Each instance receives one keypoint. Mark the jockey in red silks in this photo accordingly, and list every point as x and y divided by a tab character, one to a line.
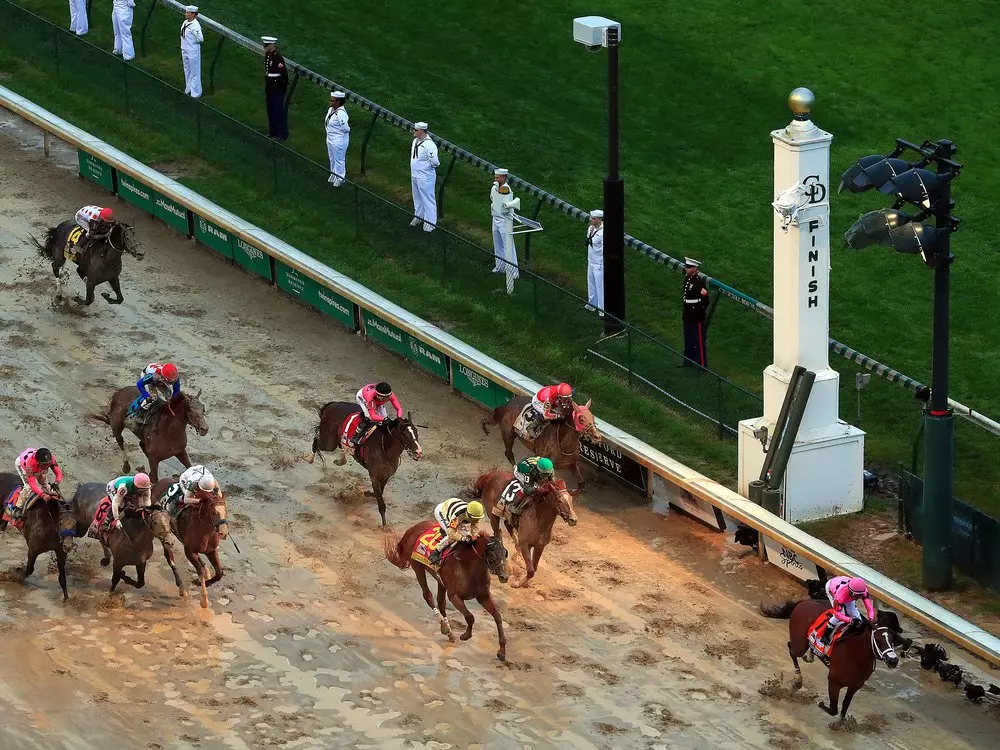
33	468
552	402
373	399
95	220
844	593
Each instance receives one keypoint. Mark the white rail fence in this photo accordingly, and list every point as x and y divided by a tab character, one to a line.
479	377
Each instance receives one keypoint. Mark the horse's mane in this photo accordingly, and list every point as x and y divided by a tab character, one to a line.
551	486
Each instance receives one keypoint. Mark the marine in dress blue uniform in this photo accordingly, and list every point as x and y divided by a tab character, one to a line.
695	309
275	88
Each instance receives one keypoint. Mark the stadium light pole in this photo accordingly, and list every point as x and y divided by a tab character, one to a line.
595	32
931	192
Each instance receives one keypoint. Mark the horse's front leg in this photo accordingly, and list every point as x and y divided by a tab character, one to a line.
487	603
183	457
578	473
378	485
90	294
529	569
797	682
213	557
442	609
199	566
469	619
834	690
168	552
117	289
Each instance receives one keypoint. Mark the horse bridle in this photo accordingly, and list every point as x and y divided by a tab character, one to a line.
880	653
413	435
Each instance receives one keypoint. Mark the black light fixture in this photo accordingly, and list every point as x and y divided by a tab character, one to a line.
873	228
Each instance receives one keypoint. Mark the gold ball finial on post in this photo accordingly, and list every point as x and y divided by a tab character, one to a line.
801	101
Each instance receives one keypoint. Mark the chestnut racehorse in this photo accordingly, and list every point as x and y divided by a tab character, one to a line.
558	441
380	453
852	660
534	529
464	574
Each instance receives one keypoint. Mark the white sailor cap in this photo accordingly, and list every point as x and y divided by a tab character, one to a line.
338	95
597	214
500	171
691	262
420	125
190	8
269	39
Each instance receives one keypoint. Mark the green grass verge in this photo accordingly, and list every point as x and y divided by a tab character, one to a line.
701	90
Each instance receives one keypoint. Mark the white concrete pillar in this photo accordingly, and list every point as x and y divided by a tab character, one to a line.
824	475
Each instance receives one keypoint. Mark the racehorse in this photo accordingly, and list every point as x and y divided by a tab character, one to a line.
200	528
134	546
98	259
534	526
464	574
852	659
48	527
379	454
163	434
559	440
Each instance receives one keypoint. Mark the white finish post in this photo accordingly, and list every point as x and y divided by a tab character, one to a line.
825	472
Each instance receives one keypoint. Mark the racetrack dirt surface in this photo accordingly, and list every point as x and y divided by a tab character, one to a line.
638	632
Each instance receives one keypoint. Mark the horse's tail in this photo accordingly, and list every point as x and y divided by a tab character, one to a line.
43	250
394	551
104	416
493	418
479	485
779	611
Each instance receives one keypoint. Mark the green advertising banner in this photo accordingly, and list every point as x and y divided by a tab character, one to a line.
478	387
214	236
427	356
252	258
132	191
172	213
385	333
97	170
314	294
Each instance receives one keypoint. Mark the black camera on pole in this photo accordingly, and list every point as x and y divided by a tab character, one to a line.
911	183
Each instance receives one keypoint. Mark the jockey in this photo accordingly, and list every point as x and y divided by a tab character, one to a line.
553	402
844	593
33	467
198	484
124	493
373	399
160	377
459	521
529	473
95	220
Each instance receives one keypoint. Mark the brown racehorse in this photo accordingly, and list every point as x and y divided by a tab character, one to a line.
464	574
852	660
534	529
48	527
380	453
558	441
164	433
200	529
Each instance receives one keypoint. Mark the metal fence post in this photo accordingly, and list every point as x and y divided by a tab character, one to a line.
447	174
211	69
364	143
291	90
628	338
145	25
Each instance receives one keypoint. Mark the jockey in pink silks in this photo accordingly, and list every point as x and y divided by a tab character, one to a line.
844	593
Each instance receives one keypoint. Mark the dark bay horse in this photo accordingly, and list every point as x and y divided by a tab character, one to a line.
464	574
98	260
200	528
164	433
852	660
48	527
381	452
134	546
558	441
534	529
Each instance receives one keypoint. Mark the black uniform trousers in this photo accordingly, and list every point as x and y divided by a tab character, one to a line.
694	342
277	117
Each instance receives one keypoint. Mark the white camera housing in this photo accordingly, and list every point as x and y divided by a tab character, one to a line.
592	31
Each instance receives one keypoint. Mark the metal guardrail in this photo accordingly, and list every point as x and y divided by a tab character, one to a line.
545	197
932	615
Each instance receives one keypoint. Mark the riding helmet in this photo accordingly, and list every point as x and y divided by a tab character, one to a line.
564	390
545	466
43	456
169	372
476	510
383	389
142	481
106	214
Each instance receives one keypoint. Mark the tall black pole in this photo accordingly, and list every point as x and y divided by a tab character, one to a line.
939	447
614	204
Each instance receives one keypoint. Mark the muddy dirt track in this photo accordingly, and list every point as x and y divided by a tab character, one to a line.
312	638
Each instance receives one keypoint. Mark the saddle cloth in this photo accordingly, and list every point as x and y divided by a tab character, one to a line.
514	504
10	510
101	525
525	426
824	651
427	543
349	428
72	244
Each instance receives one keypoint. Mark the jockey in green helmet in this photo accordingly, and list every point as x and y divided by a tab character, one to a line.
528	475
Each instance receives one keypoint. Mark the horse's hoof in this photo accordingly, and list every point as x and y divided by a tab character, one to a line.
451	636
204	602
502	655
105	561
822	704
445	628
465	636
797	685
182	593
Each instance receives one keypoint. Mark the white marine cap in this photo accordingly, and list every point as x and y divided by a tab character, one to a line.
338	95
420	125
269	39
597	214
691	262
500	171
190	8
